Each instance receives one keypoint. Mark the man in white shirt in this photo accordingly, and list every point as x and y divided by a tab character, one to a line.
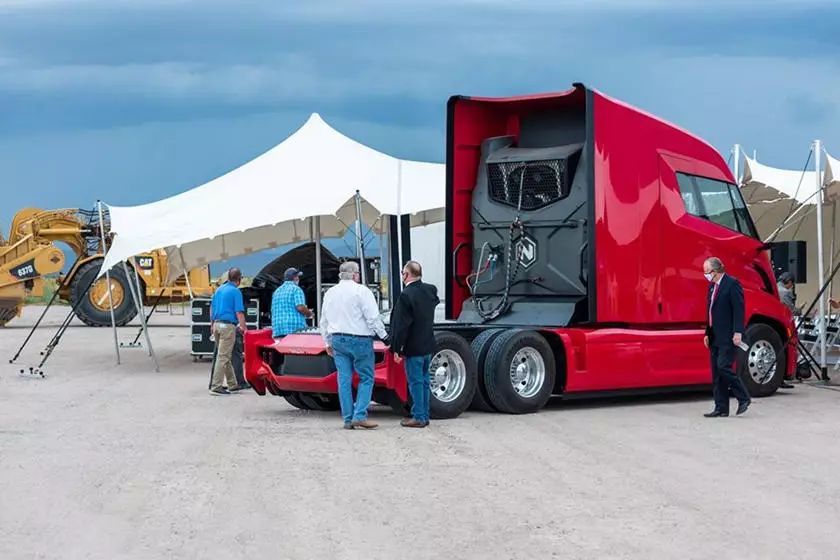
349	321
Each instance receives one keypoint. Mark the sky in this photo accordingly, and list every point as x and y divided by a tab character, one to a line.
133	101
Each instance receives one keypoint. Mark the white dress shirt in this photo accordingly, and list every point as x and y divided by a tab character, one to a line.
350	308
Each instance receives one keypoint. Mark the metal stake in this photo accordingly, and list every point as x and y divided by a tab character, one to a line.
143	318
135	295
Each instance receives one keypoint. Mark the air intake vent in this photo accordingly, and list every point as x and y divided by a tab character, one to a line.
543	182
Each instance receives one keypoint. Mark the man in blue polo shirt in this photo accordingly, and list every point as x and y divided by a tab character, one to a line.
227	313
288	306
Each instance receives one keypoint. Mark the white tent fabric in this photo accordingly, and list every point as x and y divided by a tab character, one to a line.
264	203
769	193
760	182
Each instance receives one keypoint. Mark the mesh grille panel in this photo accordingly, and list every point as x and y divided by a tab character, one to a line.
543	182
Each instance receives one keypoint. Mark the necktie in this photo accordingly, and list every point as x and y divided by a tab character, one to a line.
714	293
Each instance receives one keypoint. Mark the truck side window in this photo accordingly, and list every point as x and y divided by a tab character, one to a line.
717	201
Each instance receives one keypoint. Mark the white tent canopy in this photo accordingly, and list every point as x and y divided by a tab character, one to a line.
769	193
264	203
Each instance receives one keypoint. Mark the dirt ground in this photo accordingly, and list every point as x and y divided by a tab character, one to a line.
99	461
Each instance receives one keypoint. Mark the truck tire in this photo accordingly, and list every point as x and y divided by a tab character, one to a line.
295	400
317	401
480	347
762	367
519	372
96	313
453	376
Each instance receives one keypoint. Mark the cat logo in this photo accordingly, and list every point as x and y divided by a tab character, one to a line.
146	263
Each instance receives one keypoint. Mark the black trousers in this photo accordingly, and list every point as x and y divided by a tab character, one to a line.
724	378
236	359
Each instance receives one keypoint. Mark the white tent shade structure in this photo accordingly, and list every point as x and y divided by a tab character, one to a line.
785	200
265	203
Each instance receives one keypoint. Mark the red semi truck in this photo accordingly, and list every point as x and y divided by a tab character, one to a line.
577	227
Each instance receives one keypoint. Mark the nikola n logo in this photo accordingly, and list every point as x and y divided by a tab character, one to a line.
526	248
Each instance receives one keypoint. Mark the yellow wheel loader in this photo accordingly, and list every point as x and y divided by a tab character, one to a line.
30	254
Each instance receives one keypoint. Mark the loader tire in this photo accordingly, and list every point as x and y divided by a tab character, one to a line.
91	300
7	314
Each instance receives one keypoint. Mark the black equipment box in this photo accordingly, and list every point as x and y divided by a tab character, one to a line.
202	342
790	256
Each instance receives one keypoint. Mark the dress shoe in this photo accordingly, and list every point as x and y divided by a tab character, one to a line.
367	424
742	407
716	414
412	423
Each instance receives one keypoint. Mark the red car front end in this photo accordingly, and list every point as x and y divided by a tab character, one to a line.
298	363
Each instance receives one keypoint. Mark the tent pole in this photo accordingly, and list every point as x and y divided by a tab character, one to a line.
399	255
186	272
736	162
821	271
108	280
833	235
135	295
318	273
360	248
143	316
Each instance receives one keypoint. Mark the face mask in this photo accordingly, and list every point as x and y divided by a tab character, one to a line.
708	276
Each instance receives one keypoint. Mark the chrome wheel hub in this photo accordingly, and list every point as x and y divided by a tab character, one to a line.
761	361
447	375
527	372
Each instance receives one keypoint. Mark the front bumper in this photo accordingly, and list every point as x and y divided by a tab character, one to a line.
306	367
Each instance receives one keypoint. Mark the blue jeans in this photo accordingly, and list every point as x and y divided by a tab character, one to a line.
354	354
417	372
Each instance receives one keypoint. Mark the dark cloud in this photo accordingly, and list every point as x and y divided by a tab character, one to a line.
179	91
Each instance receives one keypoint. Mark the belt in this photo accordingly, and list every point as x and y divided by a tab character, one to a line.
352	335
223	321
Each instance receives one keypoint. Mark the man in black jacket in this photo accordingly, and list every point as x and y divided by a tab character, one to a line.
413	339
724	329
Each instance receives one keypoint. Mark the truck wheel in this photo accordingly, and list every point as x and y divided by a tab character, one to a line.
453	376
762	367
295	400
92	305
519	372
317	401
480	347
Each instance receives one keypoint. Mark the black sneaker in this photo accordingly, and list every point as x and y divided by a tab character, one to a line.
219	391
236	388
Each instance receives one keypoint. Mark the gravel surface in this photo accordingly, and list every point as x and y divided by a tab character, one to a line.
99	461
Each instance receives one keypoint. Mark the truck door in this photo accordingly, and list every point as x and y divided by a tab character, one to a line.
704	215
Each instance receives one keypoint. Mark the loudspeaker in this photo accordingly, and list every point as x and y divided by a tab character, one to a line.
790	256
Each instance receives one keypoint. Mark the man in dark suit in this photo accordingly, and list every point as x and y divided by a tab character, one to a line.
724	329
413	339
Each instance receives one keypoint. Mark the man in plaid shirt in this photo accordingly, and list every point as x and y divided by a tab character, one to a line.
288	306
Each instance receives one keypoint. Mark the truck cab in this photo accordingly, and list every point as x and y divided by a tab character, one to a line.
576	229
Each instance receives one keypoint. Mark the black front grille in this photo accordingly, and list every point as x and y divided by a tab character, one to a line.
542	182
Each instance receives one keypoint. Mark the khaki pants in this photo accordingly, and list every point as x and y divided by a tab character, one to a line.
225	334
